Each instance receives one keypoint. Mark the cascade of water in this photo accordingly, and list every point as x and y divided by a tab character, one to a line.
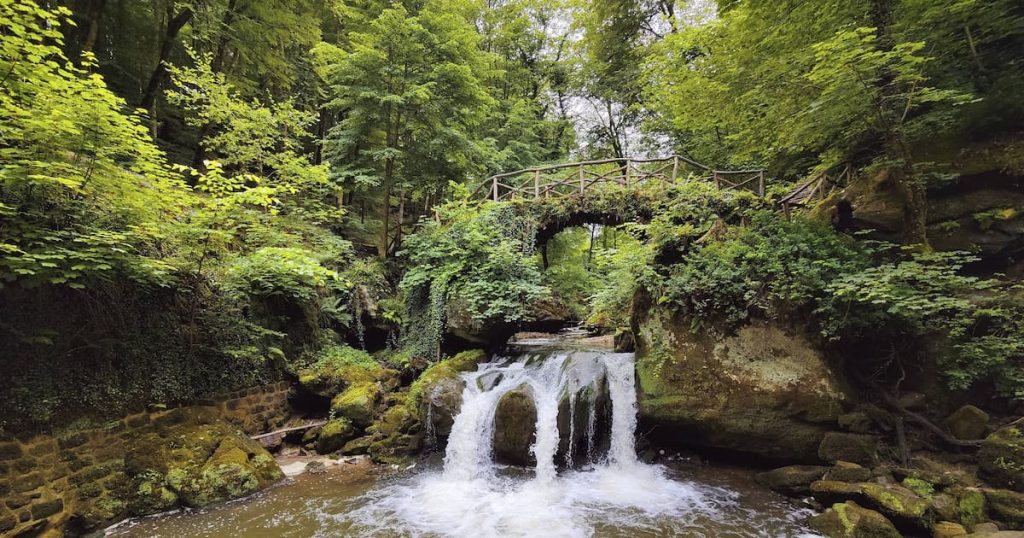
621	386
549	380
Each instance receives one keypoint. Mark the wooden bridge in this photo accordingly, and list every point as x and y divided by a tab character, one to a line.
562	180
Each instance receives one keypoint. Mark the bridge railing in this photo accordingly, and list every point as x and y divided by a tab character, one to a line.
562	180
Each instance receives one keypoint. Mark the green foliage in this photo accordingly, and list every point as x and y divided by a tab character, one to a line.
480	263
290	272
928	294
84	193
769	269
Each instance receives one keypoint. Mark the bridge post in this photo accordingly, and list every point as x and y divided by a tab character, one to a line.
675	168
583	183
495	189
718	180
628	174
760	184
536	184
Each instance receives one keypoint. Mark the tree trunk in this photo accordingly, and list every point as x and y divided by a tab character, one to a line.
92	29
156	80
217	66
913	192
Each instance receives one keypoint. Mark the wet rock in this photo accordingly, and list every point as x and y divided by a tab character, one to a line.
901	505
334	435
515	427
761	390
947	529
967	423
850	520
396	436
358	403
852	447
1006	507
573	421
437	394
829	492
943	505
844	471
195	465
1001	459
791	480
487	382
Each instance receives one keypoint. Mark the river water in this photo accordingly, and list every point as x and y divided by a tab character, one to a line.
581	491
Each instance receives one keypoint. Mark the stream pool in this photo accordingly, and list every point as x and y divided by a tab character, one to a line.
594	486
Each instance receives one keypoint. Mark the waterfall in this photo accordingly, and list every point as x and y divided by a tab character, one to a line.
592	396
558	379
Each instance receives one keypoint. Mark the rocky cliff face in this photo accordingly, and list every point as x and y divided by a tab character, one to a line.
763	391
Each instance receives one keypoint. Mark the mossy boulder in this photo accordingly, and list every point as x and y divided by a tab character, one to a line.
1006	507
334	435
762	389
903	507
396	436
357	446
190	464
340	367
437	394
967	423
1001	459
850	520
791	480
358	403
515	426
970	506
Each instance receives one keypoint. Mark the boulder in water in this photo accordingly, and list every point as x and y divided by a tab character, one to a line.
515	427
437	394
577	411
791	480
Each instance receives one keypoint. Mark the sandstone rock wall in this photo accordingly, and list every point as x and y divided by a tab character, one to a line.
76	482
764	390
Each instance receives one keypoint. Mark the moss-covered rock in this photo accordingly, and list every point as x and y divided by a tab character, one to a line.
358	403
358	446
184	463
791	480
850	520
970	506
340	367
1001	459
334	435
763	390
904	507
967	423
396	436
437	394
853	447
1006	507
515	426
